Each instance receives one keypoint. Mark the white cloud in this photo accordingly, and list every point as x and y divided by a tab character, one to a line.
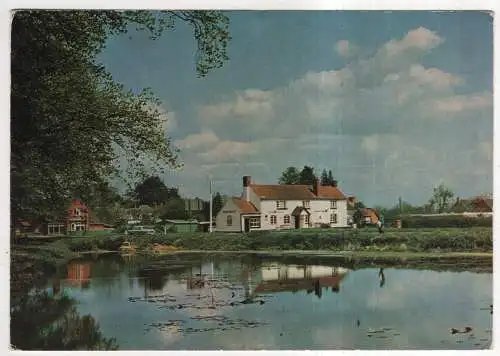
198	140
378	123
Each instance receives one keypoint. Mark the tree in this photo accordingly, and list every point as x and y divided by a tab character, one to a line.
217	204
307	176
70	122
153	191
173	209
324	178
441	198
331	180
291	175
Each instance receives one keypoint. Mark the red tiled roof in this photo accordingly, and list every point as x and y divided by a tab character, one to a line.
245	207
328	191
283	191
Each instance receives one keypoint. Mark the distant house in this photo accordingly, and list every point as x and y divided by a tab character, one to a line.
478	204
78	218
351	209
283	206
370	216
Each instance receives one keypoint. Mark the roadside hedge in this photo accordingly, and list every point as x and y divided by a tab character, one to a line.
450	221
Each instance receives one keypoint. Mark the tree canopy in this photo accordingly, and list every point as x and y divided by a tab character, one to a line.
327	178
70	121
441	198
292	175
152	191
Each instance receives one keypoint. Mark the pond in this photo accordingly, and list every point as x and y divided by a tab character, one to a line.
194	301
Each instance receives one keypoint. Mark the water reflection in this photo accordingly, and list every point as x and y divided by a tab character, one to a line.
79	274
281	278
381	277
213	302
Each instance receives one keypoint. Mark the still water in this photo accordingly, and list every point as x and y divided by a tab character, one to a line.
247	302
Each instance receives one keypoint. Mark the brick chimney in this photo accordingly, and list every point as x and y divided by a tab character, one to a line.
316	186
247	180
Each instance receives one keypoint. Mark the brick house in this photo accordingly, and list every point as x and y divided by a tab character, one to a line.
78	218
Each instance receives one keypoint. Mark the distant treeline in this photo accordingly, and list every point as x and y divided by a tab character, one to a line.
446	221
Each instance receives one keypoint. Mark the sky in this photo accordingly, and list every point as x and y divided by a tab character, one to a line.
393	103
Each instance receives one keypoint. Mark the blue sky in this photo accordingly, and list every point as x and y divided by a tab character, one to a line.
393	103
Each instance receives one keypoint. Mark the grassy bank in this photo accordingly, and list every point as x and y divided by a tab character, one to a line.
477	239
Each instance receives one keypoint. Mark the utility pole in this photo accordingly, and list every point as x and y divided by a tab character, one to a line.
210	223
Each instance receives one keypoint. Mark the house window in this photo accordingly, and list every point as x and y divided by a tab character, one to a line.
333	218
281	205
78	212
255	223
286	219
229	220
333	204
306	219
306	204
273	220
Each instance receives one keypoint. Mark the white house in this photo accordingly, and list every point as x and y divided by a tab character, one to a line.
271	207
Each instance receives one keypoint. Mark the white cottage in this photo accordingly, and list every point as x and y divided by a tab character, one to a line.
282	206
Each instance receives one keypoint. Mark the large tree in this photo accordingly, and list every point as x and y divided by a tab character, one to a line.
152	191
70	121
307	176
291	175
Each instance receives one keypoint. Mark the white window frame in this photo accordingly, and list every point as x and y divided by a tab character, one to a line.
333	218
286	219
306	219
254	223
306	204
229	220
281	204
333	204
273	220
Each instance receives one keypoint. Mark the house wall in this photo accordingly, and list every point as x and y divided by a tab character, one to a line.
230	208
254	198
320	213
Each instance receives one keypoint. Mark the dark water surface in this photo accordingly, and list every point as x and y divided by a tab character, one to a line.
245	302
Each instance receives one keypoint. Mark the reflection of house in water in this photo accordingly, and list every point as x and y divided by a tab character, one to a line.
79	274
281	278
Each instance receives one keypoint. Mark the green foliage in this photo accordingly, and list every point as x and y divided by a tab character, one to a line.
217	204
307	176
70	122
446	221
152	191
42	322
291	175
327	178
452	239
441	199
